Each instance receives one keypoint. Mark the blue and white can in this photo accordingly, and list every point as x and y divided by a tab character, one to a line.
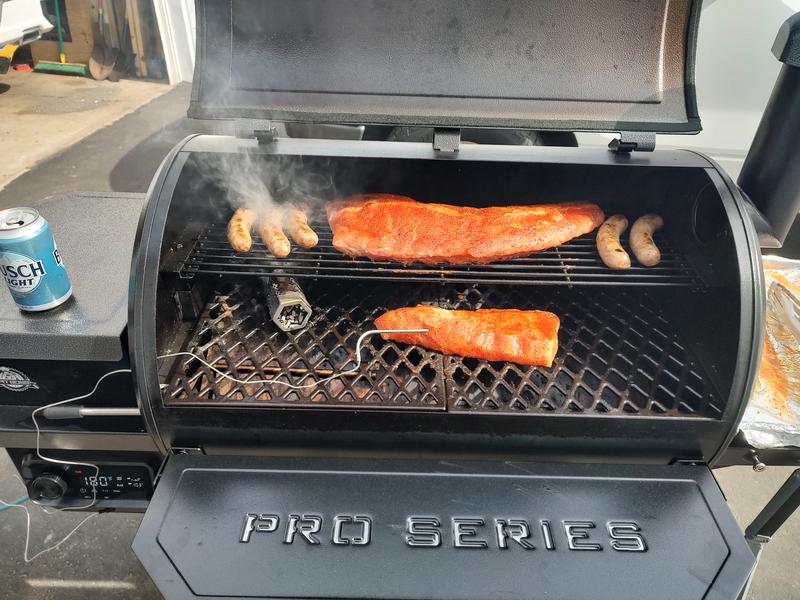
30	262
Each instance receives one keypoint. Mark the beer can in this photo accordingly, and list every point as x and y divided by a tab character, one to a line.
30	262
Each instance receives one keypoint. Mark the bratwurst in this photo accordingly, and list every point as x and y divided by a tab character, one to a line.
642	243
295	221
608	245
239	229
269	227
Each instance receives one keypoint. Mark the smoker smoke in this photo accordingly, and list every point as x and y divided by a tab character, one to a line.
270	184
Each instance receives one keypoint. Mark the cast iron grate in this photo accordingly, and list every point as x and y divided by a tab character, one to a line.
234	334
573	263
617	355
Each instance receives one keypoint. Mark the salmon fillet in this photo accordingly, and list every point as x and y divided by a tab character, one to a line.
397	228
527	337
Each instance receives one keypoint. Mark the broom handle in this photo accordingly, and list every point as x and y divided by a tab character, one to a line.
101	22
61	56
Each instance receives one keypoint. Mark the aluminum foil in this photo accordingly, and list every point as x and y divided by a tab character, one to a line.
772	417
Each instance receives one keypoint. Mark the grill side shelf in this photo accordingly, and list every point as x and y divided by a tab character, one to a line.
573	263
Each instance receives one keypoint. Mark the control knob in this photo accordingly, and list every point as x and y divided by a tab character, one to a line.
47	487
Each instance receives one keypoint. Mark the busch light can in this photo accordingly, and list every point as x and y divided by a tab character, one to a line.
30	262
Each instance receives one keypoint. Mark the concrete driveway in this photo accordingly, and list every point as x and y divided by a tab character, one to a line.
42	113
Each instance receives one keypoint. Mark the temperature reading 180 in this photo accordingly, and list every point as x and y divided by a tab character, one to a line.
95	481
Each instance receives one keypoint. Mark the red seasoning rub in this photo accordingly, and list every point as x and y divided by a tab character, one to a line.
527	337
397	228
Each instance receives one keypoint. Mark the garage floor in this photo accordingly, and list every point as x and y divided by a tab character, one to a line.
97	560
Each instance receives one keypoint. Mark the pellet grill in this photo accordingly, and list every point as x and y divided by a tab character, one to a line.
425	475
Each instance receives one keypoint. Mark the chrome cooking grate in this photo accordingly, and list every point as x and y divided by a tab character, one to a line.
617	355
573	263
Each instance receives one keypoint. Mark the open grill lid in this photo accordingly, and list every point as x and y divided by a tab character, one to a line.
610	65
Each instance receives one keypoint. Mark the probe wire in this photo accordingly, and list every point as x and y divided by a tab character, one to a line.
295	386
25	556
22	504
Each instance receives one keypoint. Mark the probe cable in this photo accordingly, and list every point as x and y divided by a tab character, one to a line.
296	386
22	503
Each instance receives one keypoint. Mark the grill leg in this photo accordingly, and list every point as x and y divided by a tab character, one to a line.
780	507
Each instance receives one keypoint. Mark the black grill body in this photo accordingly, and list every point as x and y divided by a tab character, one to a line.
654	365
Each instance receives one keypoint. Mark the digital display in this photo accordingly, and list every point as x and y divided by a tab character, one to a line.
113	482
102	481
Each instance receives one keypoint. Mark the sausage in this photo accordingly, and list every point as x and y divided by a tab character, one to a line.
239	229
642	242
295	221
608	246
271	233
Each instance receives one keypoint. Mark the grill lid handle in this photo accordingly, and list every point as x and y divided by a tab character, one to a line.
628	141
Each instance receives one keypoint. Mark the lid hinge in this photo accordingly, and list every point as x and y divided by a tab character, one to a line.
446	140
691	462
628	141
175	451
260	129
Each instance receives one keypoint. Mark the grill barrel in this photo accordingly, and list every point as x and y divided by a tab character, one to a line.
653	364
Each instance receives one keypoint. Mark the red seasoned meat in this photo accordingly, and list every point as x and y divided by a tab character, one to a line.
528	337
388	227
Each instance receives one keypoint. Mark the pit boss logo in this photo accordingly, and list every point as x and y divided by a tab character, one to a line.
15	381
22	273
476	533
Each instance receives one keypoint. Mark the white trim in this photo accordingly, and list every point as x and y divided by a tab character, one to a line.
177	30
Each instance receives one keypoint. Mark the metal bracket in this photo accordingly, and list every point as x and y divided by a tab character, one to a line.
186	451
780	507
261	129
629	141
758	465
446	141
172	452
691	462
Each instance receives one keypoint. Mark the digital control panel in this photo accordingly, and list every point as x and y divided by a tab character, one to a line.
117	484
112	481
